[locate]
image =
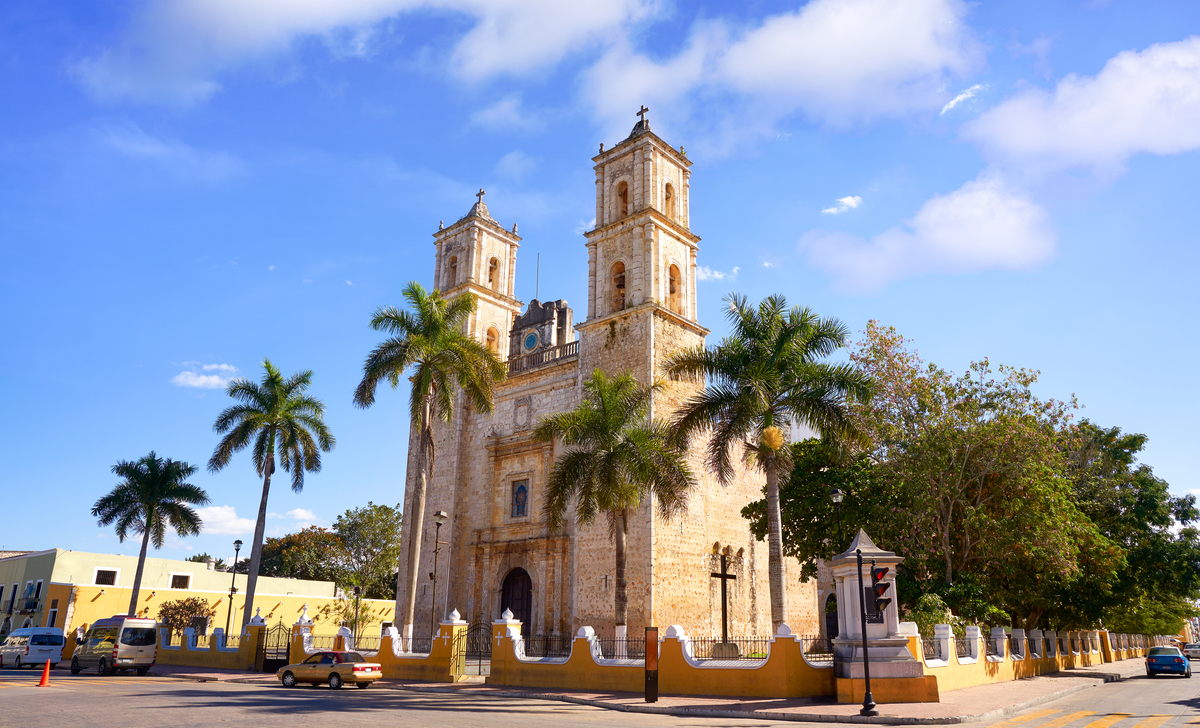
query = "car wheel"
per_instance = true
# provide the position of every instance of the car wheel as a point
(75, 668)
(102, 669)
(143, 670)
(19, 665)
(289, 680)
(335, 680)
(362, 685)
(53, 665)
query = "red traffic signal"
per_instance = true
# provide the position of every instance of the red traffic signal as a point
(880, 587)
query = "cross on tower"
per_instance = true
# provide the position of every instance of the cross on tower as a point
(480, 194)
(642, 114)
(724, 576)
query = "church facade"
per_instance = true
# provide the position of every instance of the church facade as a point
(496, 552)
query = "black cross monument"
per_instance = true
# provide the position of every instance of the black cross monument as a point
(724, 576)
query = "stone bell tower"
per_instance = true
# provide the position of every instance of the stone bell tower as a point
(479, 255)
(641, 258)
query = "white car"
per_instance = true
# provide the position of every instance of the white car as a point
(32, 647)
(1192, 650)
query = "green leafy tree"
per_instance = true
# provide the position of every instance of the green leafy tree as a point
(276, 416)
(615, 455)
(152, 495)
(427, 345)
(767, 373)
(313, 553)
(370, 548)
(177, 614)
(201, 558)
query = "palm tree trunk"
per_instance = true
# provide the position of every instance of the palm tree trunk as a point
(137, 577)
(414, 523)
(774, 546)
(259, 528)
(621, 599)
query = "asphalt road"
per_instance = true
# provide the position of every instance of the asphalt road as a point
(132, 702)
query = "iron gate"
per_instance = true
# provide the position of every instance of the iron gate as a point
(479, 649)
(276, 644)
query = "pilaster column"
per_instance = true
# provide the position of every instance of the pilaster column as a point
(684, 199)
(691, 287)
(652, 262)
(638, 191)
(592, 288)
(600, 197)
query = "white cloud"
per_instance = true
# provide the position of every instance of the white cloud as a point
(842, 205)
(191, 378)
(583, 227)
(224, 520)
(301, 514)
(963, 96)
(1140, 102)
(350, 283)
(182, 159)
(515, 165)
(507, 113)
(838, 61)
(270, 267)
(982, 225)
(175, 50)
(704, 273)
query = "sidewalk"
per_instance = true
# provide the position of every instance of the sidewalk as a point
(986, 702)
(205, 674)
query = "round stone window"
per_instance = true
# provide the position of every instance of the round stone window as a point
(531, 341)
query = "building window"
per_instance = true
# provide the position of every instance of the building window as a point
(618, 282)
(493, 273)
(106, 577)
(493, 340)
(52, 620)
(452, 272)
(520, 498)
(674, 290)
(181, 581)
(37, 592)
(669, 201)
(622, 199)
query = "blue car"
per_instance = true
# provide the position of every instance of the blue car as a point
(1167, 661)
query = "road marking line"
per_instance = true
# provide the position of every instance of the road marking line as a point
(1021, 719)
(1068, 718)
(1153, 721)
(1108, 720)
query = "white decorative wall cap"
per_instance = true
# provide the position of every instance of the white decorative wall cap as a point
(189, 631)
(1036, 634)
(218, 631)
(784, 630)
(343, 632)
(675, 631)
(941, 631)
(507, 615)
(972, 632)
(513, 633)
(998, 631)
(455, 616)
(391, 632)
(585, 633)
(1018, 633)
(909, 629)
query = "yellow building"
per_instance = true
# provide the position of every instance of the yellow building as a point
(72, 589)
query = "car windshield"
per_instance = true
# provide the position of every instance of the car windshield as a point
(46, 639)
(138, 636)
(1164, 651)
(1192, 646)
(352, 657)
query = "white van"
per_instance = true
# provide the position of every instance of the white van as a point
(32, 646)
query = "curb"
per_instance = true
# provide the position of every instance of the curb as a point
(685, 712)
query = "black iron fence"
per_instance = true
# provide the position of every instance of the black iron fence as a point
(626, 649)
(548, 646)
(233, 641)
(962, 646)
(932, 649)
(816, 648)
(412, 645)
(367, 644)
(324, 641)
(740, 648)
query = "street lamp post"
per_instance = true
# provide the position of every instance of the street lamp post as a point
(439, 518)
(836, 495)
(357, 595)
(868, 708)
(237, 547)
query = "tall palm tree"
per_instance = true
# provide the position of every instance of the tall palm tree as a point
(767, 373)
(615, 456)
(427, 340)
(277, 416)
(152, 495)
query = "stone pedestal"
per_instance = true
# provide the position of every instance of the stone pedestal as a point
(887, 647)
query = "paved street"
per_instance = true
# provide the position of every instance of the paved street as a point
(156, 701)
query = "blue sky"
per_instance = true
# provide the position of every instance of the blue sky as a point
(191, 185)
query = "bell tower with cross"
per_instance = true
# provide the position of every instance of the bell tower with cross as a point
(479, 255)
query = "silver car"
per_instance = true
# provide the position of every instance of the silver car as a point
(1192, 650)
(118, 643)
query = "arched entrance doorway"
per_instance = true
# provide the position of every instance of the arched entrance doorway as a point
(831, 616)
(517, 595)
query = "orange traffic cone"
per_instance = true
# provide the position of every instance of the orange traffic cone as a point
(45, 683)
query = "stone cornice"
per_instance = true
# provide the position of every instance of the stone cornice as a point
(653, 307)
(688, 237)
(647, 138)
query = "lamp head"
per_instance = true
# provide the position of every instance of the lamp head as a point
(441, 517)
(237, 545)
(358, 591)
(836, 495)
